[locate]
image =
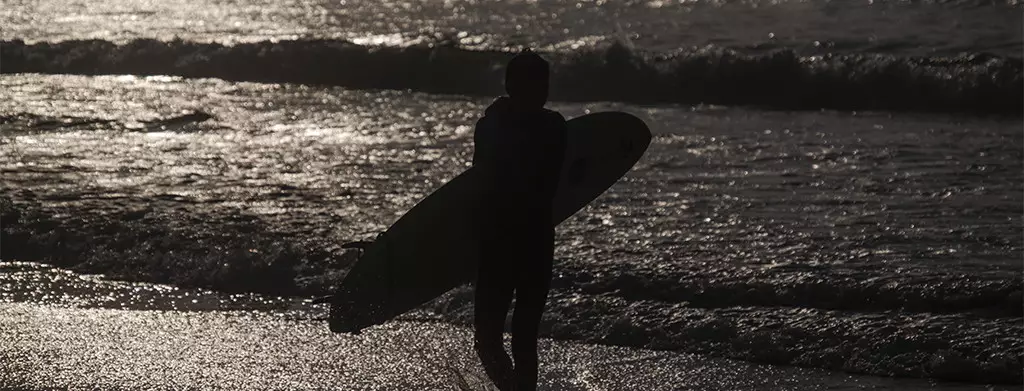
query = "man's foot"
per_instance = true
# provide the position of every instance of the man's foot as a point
(497, 365)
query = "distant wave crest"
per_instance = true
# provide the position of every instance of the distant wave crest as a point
(978, 83)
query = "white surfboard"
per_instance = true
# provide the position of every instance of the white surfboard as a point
(434, 247)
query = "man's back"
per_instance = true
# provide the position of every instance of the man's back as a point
(521, 153)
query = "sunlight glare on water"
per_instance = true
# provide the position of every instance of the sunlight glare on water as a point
(942, 27)
(724, 238)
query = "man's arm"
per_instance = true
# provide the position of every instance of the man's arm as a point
(559, 143)
(483, 145)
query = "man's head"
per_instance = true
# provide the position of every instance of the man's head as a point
(526, 79)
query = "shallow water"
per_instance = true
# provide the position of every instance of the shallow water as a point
(872, 243)
(70, 338)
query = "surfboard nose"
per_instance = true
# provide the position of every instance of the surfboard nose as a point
(626, 146)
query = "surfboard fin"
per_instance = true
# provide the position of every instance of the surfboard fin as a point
(322, 299)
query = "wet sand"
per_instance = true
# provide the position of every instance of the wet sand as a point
(62, 330)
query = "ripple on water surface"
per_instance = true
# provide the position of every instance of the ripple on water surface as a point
(864, 242)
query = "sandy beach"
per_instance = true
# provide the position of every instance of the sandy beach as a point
(63, 330)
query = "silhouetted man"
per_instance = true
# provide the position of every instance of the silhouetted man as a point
(519, 150)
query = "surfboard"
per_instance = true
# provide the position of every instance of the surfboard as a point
(434, 247)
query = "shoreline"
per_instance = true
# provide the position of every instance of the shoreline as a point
(181, 338)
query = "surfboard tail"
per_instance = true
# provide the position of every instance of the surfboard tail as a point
(336, 319)
(337, 324)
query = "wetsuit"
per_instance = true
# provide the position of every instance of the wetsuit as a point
(519, 153)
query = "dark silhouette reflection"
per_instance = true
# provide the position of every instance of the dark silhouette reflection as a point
(519, 149)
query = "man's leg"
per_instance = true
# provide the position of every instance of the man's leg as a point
(531, 295)
(493, 296)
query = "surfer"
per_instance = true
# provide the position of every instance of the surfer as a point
(519, 147)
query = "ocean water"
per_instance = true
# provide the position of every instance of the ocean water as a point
(831, 185)
(115, 335)
(936, 27)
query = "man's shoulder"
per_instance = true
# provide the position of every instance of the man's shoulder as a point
(553, 114)
(553, 117)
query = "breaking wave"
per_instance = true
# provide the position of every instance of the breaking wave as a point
(940, 326)
(976, 83)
